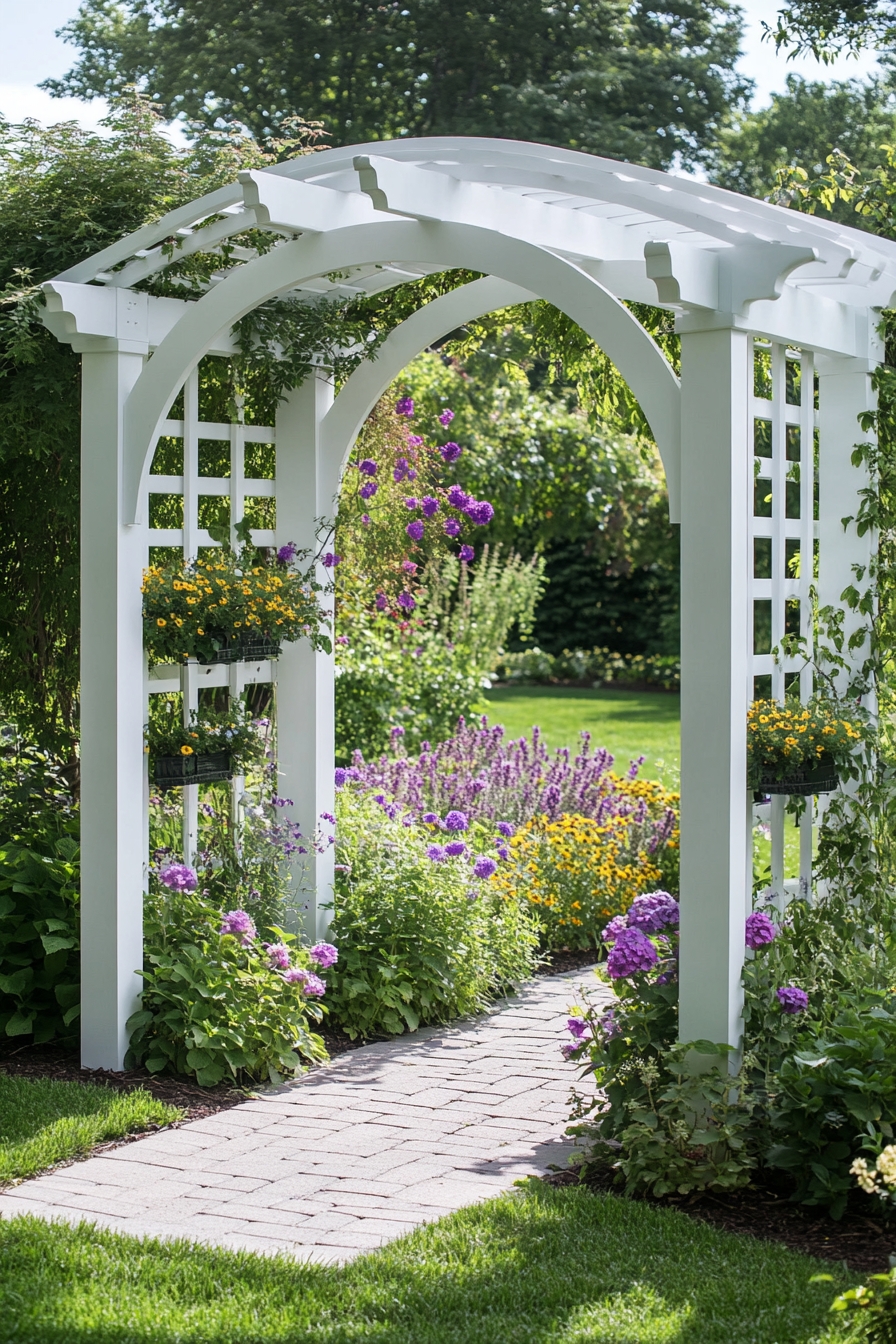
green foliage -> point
(873, 1308)
(594, 667)
(419, 941)
(571, 75)
(827, 27)
(43, 1122)
(214, 1008)
(229, 730)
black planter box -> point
(171, 772)
(818, 776)
(249, 649)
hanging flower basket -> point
(172, 772)
(248, 649)
(818, 776)
(799, 749)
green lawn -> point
(535, 1267)
(43, 1122)
(628, 723)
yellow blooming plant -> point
(578, 872)
(225, 599)
(789, 738)
(231, 730)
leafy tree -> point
(634, 81)
(828, 27)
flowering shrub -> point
(784, 738)
(217, 1001)
(593, 667)
(193, 609)
(424, 931)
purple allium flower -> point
(506, 828)
(484, 866)
(405, 600)
(430, 506)
(412, 502)
(340, 775)
(405, 406)
(503, 852)
(239, 925)
(616, 926)
(178, 877)
(455, 848)
(368, 490)
(466, 555)
(446, 417)
(652, 912)
(325, 954)
(759, 930)
(430, 818)
(330, 561)
(479, 512)
(381, 602)
(577, 1027)
(791, 999)
(367, 467)
(278, 956)
(456, 821)
(451, 451)
(458, 498)
(415, 530)
(286, 554)
(451, 527)
(632, 952)
(365, 519)
(436, 853)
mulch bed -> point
(861, 1242)
(560, 963)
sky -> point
(31, 52)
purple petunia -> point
(506, 828)
(405, 406)
(340, 775)
(455, 849)
(325, 954)
(286, 554)
(367, 467)
(415, 530)
(368, 490)
(456, 821)
(484, 866)
(791, 999)
(446, 417)
(458, 498)
(430, 506)
(239, 925)
(577, 1027)
(632, 952)
(435, 853)
(652, 911)
(178, 877)
(618, 924)
(466, 555)
(278, 956)
(406, 601)
(451, 451)
(759, 930)
(451, 527)
(330, 561)
(479, 511)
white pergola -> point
(778, 318)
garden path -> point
(353, 1154)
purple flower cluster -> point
(456, 821)
(278, 956)
(759, 930)
(238, 924)
(451, 451)
(612, 931)
(652, 912)
(367, 467)
(325, 954)
(330, 561)
(466, 555)
(368, 490)
(632, 952)
(286, 554)
(484, 867)
(451, 527)
(178, 877)
(446, 417)
(405, 406)
(791, 999)
(415, 530)
(312, 985)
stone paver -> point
(351, 1155)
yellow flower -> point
(160, 622)
(186, 751)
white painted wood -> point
(715, 623)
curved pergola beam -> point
(451, 246)
(343, 422)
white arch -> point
(461, 246)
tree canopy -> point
(630, 80)
(828, 27)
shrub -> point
(595, 667)
(217, 1002)
(421, 939)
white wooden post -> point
(715, 815)
(112, 757)
(306, 679)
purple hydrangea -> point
(446, 417)
(430, 506)
(286, 554)
(436, 853)
(456, 821)
(484, 866)
(430, 818)
(618, 924)
(506, 828)
(239, 925)
(405, 600)
(278, 956)
(340, 775)
(451, 527)
(314, 987)
(367, 467)
(368, 490)
(466, 555)
(325, 954)
(652, 911)
(405, 406)
(451, 451)
(178, 877)
(480, 512)
(296, 975)
(759, 930)
(632, 952)
(458, 498)
(330, 561)
(455, 848)
(791, 999)
(415, 530)
(577, 1026)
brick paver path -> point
(352, 1154)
